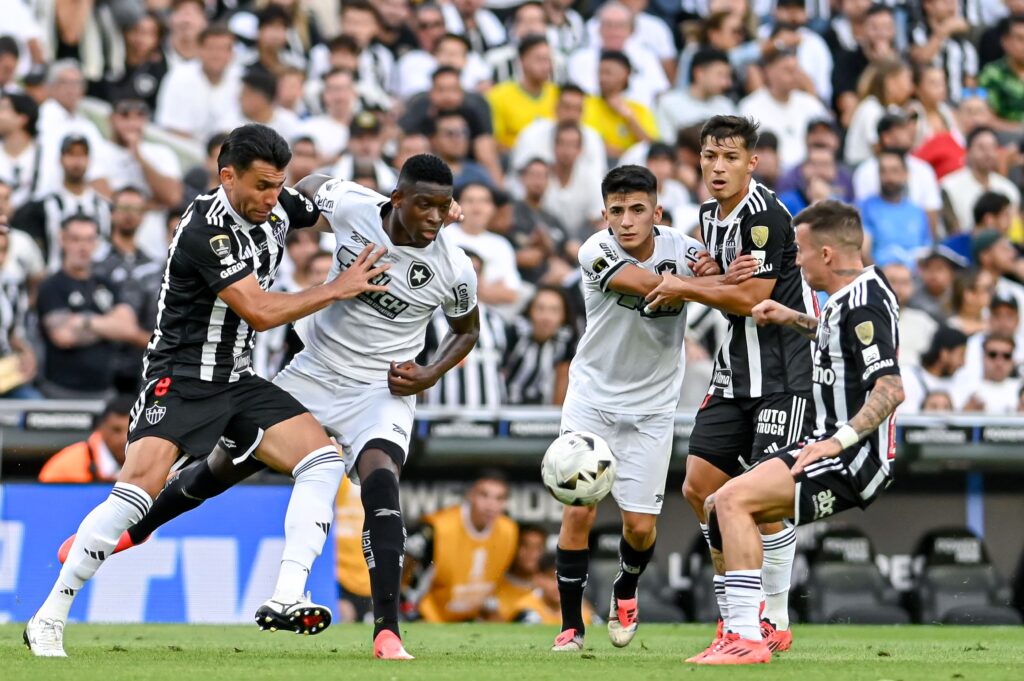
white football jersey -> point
(360, 337)
(630, 361)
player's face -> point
(422, 208)
(810, 258)
(727, 166)
(487, 501)
(631, 218)
(253, 192)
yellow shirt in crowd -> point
(612, 127)
(513, 108)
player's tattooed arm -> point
(805, 324)
(773, 312)
(881, 403)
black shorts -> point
(732, 434)
(193, 414)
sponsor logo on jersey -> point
(419, 275)
(759, 235)
(234, 269)
(877, 366)
(609, 252)
(824, 375)
(870, 355)
(762, 267)
(383, 302)
(360, 239)
(155, 414)
(722, 378)
(865, 332)
(772, 422)
(241, 362)
(248, 253)
(461, 293)
(823, 503)
(221, 245)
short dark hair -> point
(944, 338)
(705, 57)
(835, 221)
(532, 528)
(253, 142)
(627, 179)
(989, 203)
(476, 183)
(9, 46)
(722, 127)
(533, 160)
(568, 125)
(571, 89)
(128, 189)
(495, 474)
(1000, 337)
(425, 168)
(216, 140)
(363, 6)
(121, 404)
(890, 120)
(262, 81)
(24, 105)
(767, 140)
(978, 132)
(878, 8)
(898, 153)
(456, 37)
(442, 70)
(273, 14)
(660, 150)
(79, 217)
(529, 42)
(216, 30)
(617, 56)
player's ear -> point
(227, 176)
(658, 212)
(752, 166)
(396, 198)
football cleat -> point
(732, 649)
(387, 646)
(123, 544)
(302, 616)
(778, 640)
(44, 637)
(622, 621)
(569, 641)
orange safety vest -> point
(78, 462)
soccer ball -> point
(578, 469)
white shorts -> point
(352, 411)
(641, 444)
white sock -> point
(743, 591)
(95, 540)
(776, 572)
(723, 602)
(307, 523)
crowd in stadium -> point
(112, 113)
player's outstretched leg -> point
(635, 550)
(379, 466)
(307, 522)
(146, 464)
(779, 542)
(572, 560)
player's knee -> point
(695, 495)
(380, 455)
(729, 500)
(578, 518)
(639, 528)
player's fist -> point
(741, 269)
(363, 276)
(670, 292)
(409, 378)
(771, 312)
(454, 213)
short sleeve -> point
(765, 236)
(688, 250)
(460, 299)
(334, 194)
(199, 246)
(301, 211)
(875, 347)
(600, 261)
(51, 297)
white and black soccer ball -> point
(578, 469)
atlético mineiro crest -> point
(155, 413)
(419, 275)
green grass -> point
(483, 652)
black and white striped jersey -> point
(531, 366)
(857, 343)
(42, 220)
(197, 335)
(477, 382)
(753, 360)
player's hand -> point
(409, 378)
(454, 213)
(770, 312)
(705, 266)
(670, 292)
(741, 269)
(824, 449)
(360, 276)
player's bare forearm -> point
(736, 299)
(457, 343)
(805, 325)
(881, 403)
(632, 280)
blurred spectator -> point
(645, 77)
(24, 265)
(528, 19)
(538, 237)
(992, 211)
(566, 31)
(993, 253)
(823, 133)
(723, 30)
(305, 160)
(532, 95)
(198, 96)
(574, 192)
(648, 29)
(412, 72)
(704, 97)
(861, 33)
(99, 458)
(896, 131)
(9, 54)
(256, 103)
(1002, 79)
(946, 152)
(291, 90)
(541, 344)
(330, 129)
(938, 401)
(139, 74)
(409, 146)
(962, 188)
(944, 358)
(990, 43)
(272, 50)
(543, 604)
(889, 85)
(21, 25)
(621, 122)
(812, 52)
(537, 140)
(468, 549)
(42, 218)
(998, 390)
(185, 25)
(930, 107)
(365, 154)
(936, 269)
(204, 177)
(353, 576)
(894, 227)
(768, 169)
(916, 326)
(972, 294)
(21, 162)
(817, 183)
(480, 26)
(500, 283)
(1003, 320)
(942, 37)
(130, 160)
(81, 320)
(361, 20)
(17, 358)
(673, 196)
(518, 581)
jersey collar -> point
(751, 188)
(222, 196)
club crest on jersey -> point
(760, 235)
(666, 266)
(155, 414)
(865, 332)
(221, 245)
(419, 275)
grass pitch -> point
(473, 652)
